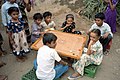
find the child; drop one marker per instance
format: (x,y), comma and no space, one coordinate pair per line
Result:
(17,34)
(106,34)
(69,25)
(37,29)
(111,14)
(6,17)
(46,69)
(94,55)
(48,23)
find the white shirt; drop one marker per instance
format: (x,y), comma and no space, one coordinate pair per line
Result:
(4,12)
(104,28)
(50,25)
(46,61)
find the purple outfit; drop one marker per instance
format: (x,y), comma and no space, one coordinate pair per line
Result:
(110,16)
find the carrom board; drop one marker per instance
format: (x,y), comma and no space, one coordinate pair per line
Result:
(68,45)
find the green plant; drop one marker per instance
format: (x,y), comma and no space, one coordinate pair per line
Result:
(92,7)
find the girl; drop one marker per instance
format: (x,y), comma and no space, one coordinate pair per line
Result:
(111,14)
(69,25)
(5,16)
(48,23)
(17,34)
(37,29)
(94,55)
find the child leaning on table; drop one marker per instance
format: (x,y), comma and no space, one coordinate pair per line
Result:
(94,55)
(69,25)
(46,57)
(37,28)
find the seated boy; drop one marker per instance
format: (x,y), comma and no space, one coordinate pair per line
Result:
(48,23)
(46,56)
(106,34)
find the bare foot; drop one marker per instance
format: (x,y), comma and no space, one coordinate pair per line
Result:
(76,74)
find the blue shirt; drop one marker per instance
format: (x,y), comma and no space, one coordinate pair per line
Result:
(15,27)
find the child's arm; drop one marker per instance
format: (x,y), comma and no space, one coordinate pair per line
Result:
(63,62)
(105,35)
(89,51)
(112,5)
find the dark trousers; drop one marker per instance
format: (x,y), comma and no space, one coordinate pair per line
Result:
(105,41)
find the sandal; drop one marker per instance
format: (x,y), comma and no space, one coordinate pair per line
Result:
(3,77)
(74,77)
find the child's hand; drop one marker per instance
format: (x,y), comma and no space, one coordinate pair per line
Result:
(105,35)
(67,25)
(91,42)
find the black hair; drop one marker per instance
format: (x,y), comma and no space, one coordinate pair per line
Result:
(12,9)
(96,31)
(100,16)
(37,16)
(47,13)
(69,16)
(48,38)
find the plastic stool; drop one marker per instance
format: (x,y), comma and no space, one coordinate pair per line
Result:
(90,70)
(109,45)
(30,75)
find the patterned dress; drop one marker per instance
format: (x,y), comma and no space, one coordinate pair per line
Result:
(19,41)
(110,16)
(94,58)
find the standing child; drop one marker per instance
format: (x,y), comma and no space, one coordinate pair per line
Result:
(6,17)
(94,55)
(17,34)
(37,28)
(111,14)
(48,23)
(69,25)
(46,69)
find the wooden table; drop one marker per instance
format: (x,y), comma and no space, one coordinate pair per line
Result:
(68,45)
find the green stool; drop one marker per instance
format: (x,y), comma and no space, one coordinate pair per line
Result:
(90,70)
(30,75)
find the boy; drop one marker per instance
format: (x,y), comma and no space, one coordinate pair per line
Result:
(46,69)
(106,34)
(48,23)
(37,29)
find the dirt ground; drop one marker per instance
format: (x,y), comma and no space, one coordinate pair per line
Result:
(108,70)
